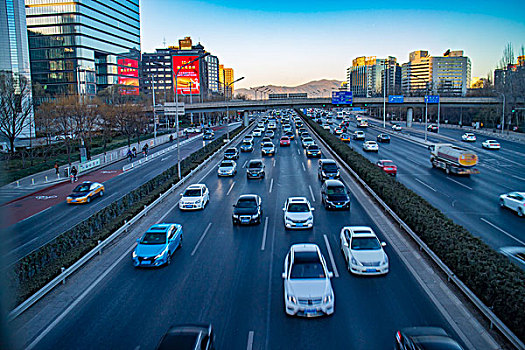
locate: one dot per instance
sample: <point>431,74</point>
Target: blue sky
<point>292,42</point>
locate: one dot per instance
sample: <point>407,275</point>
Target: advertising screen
<point>188,76</point>
<point>128,75</point>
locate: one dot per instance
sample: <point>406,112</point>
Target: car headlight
<point>385,260</point>
<point>161,255</point>
<point>134,255</point>
<point>323,173</point>
<point>292,299</point>
<point>198,201</point>
<point>287,218</point>
<point>327,298</point>
<point>255,216</point>
<point>355,262</point>
<point>310,219</point>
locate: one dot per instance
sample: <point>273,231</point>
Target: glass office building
<point>83,46</point>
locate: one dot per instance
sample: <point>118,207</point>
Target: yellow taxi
<point>85,192</point>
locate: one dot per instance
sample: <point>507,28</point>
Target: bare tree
<point>16,106</point>
<point>508,56</point>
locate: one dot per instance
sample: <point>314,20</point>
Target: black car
<point>328,169</point>
<point>255,169</point>
<point>383,138</point>
<point>247,210</point>
<point>334,195</point>
<point>188,336</point>
<point>313,151</point>
<point>432,128</point>
<point>421,338</point>
<point>264,140</point>
<point>231,153</point>
<point>207,136</point>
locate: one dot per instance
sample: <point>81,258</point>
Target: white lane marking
<point>265,231</point>
<point>78,300</point>
<point>298,152</point>
<point>244,165</point>
<point>271,186</point>
<point>274,162</point>
<point>250,341</point>
<point>200,239</point>
<point>304,168</point>
<point>311,192</point>
<point>459,183</point>
<point>424,184</point>
<point>502,231</point>
<point>519,178</point>
<point>231,187</point>
<point>163,159</point>
<point>334,267</point>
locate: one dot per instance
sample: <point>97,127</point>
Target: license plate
<point>310,311</point>
<point>245,221</point>
<point>338,206</point>
<point>188,206</point>
<point>371,270</point>
<point>146,262</point>
<point>299,225</point>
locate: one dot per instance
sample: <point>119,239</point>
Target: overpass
<point>254,105</point>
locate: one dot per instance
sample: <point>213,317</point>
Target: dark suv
<point>327,169</point>
<point>334,195</point>
<point>255,169</point>
<point>247,210</point>
<point>231,153</point>
<point>188,336</point>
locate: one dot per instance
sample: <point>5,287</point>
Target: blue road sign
<point>396,98</point>
<point>432,99</point>
<point>342,97</point>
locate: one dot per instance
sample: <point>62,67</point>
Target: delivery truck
<point>453,159</point>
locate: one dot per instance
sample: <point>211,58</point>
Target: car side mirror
<point>330,274</point>
<point>313,209</point>
<point>345,243</point>
<point>138,240</point>
<point>383,244</point>
<point>284,275</point>
<point>234,205</point>
<point>181,194</point>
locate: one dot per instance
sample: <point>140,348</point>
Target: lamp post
<point>177,106</point>
<point>226,88</point>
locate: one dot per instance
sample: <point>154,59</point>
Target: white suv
<point>194,197</point>
<point>364,254</point>
<point>298,213</point>
<point>307,287</point>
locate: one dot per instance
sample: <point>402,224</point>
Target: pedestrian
<point>171,138</point>
<point>134,151</point>
<point>130,155</point>
<point>145,149</point>
<point>56,168</point>
<point>74,173</point>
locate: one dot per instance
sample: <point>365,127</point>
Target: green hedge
<point>491,276</point>
<point>33,271</point>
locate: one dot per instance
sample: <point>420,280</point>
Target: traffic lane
<point>39,229</point>
<point>359,301</point>
<point>463,199</point>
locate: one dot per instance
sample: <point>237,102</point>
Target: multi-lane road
<point>230,276</point>
<point>470,201</point>
<point>53,216</point>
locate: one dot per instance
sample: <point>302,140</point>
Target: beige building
<point>225,79</point>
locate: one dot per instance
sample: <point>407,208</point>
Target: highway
<point>469,201</point>
<point>50,220</point>
<point>231,277</point>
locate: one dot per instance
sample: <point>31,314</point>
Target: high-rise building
<point>212,64</point>
<point>365,77</point>
<point>225,80</point>
<point>14,52</point>
<point>84,46</point>
<point>445,75</point>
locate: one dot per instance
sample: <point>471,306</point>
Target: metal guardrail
<point>486,311</point>
<point>61,279</point>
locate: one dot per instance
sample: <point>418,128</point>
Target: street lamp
<point>177,106</point>
<point>226,88</point>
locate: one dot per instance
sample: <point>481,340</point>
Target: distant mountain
<point>317,88</point>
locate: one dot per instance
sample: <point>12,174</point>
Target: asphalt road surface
<point>231,277</point>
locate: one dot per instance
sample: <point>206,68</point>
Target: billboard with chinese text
<point>128,76</point>
<point>188,80</point>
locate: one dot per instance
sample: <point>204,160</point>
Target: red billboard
<point>128,75</point>
<point>188,79</point>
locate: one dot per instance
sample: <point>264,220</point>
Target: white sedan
<point>514,201</point>
<point>298,213</point>
<point>371,146</point>
<point>307,288</point>
<point>257,133</point>
<point>396,127</point>
<point>491,144</point>
<point>227,168</point>
<point>468,137</point>
<point>363,253</point>
<point>194,197</point>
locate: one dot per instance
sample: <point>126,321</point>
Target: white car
<point>257,133</point>
<point>468,137</point>
<point>272,126</point>
<point>363,253</point>
<point>260,124</point>
<point>298,213</point>
<point>491,144</point>
<point>396,127</point>
<point>307,288</point>
<point>326,127</point>
<point>189,130</point>
<point>227,168</point>
<point>194,197</point>
<point>248,138</point>
<point>371,146</point>
<point>514,201</point>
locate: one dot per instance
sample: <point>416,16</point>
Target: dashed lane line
<point>334,267</point>
<point>201,239</point>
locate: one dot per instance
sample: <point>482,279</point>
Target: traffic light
<point>513,110</point>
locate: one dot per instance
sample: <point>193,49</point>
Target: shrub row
<point>491,276</point>
<point>36,269</point>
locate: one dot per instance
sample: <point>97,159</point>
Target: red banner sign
<point>188,79</point>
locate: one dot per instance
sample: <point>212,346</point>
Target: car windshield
<point>82,188</point>
<point>246,203</point>
<point>388,164</point>
<point>335,190</point>
<point>247,143</point>
<point>226,164</point>
<point>307,265</point>
<point>365,243</point>
<point>154,238</point>
<point>330,167</point>
<point>192,193</point>
<point>313,148</point>
<point>298,208</point>
<point>255,165</point>
<point>267,144</point>
<point>230,151</point>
